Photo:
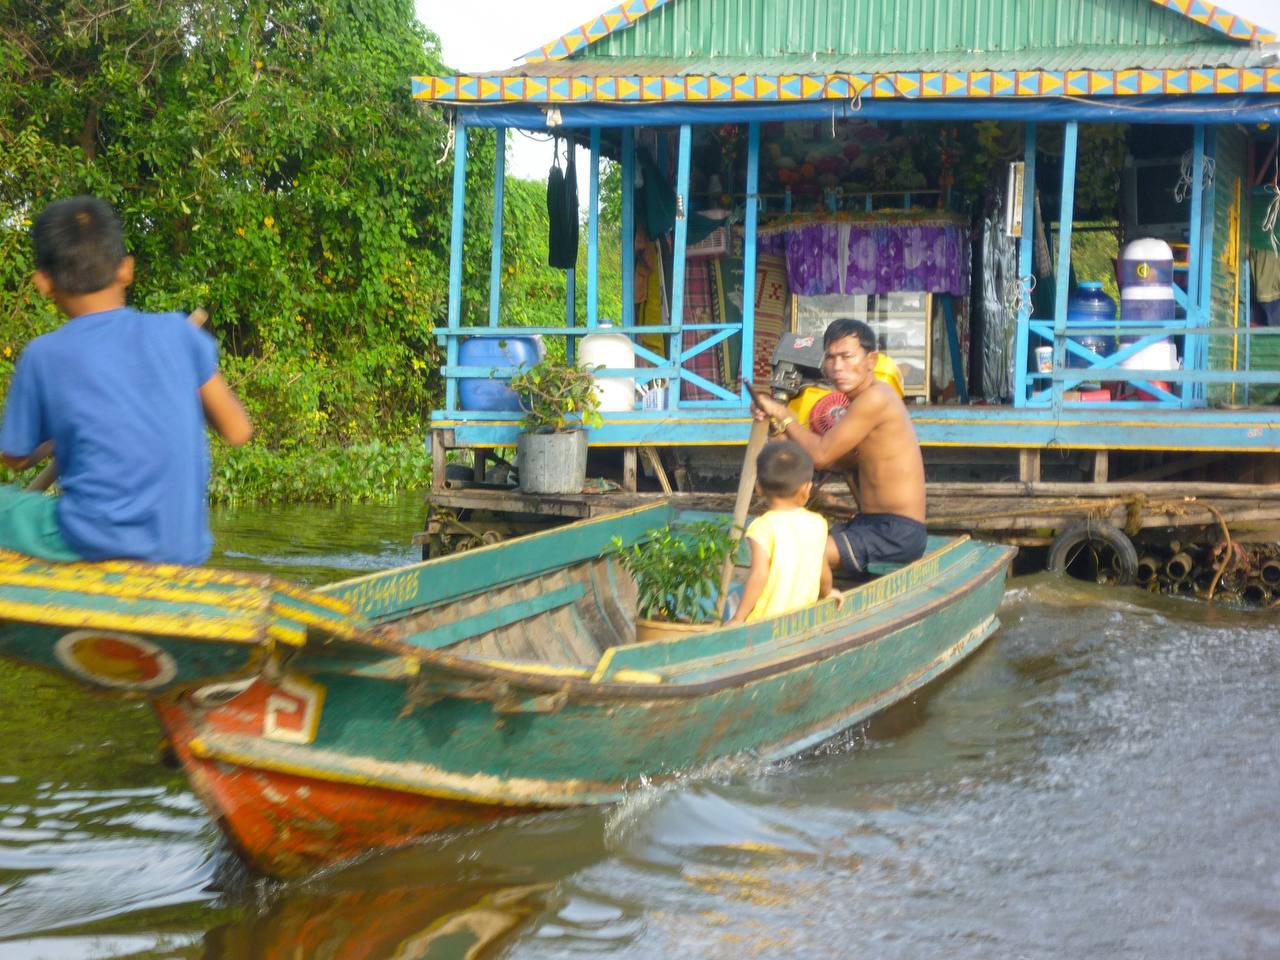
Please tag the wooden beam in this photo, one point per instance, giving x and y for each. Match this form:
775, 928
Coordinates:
1029, 466
1100, 466
655, 463
629, 469
437, 461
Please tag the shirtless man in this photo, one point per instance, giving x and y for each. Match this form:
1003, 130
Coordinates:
874, 438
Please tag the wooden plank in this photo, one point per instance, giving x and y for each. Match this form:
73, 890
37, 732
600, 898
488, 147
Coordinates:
437, 461
1029, 466
655, 463
629, 469
1100, 465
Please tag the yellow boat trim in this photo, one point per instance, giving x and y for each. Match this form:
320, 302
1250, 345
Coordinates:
290, 635
127, 591
336, 626
167, 573
231, 630
536, 669
564, 670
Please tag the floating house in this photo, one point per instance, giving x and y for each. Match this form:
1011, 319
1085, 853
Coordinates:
969, 177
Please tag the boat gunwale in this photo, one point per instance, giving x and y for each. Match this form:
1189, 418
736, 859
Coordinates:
579, 689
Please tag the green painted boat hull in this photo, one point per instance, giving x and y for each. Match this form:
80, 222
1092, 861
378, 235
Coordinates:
437, 695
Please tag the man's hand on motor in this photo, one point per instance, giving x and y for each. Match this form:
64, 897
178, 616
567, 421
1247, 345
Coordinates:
764, 406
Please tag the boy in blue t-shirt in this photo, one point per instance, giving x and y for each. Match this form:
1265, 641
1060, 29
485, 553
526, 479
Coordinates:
121, 399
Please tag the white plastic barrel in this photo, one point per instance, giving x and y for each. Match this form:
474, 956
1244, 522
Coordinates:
613, 350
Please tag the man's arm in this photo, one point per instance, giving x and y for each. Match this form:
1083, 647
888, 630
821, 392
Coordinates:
828, 449
224, 411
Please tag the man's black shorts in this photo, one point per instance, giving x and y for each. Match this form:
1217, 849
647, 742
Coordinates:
878, 538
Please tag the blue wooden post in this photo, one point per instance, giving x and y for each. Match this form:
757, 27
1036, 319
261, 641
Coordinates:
570, 317
495, 238
628, 226
677, 264
455, 262
1063, 279
593, 232
1021, 349
1195, 254
1200, 354
749, 255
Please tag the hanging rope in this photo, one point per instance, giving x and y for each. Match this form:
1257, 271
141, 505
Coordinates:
1018, 293
449, 137
1184, 180
1273, 205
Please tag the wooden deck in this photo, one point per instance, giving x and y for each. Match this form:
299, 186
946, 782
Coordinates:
1021, 513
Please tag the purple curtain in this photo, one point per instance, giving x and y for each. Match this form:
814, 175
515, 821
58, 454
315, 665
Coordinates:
882, 258
813, 259
891, 258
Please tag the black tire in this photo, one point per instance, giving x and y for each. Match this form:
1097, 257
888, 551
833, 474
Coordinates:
1092, 550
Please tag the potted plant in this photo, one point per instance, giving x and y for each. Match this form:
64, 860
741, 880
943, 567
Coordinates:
559, 402
677, 573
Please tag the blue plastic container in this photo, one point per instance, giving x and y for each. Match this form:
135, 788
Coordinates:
492, 393
1091, 307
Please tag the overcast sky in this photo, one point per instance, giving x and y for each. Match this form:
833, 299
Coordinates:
493, 34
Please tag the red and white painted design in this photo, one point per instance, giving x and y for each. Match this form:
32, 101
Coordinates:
118, 660
287, 711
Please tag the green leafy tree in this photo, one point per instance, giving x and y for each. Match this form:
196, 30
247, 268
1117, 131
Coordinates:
268, 164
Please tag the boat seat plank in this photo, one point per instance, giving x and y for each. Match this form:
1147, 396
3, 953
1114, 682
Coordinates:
494, 619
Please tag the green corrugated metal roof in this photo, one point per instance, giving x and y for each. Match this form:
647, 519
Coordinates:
783, 28
1185, 56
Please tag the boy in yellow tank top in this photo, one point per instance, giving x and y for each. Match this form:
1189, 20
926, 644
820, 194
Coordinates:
788, 543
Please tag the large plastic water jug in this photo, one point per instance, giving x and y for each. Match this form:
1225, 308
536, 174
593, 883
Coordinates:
613, 350
492, 393
1090, 306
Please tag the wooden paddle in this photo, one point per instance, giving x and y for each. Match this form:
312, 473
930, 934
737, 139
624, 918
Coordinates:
746, 486
44, 479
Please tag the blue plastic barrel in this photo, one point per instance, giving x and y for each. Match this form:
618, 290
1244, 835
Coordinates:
492, 393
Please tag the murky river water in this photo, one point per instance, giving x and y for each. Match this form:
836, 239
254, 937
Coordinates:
1101, 780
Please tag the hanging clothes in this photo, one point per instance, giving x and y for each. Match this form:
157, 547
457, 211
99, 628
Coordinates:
562, 212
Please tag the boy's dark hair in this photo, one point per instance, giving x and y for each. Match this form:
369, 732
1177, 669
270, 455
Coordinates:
78, 243
844, 327
782, 468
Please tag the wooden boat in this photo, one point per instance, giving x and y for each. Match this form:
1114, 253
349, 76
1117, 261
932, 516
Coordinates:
319, 724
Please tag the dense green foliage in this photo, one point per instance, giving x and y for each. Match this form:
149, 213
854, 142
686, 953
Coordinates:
269, 165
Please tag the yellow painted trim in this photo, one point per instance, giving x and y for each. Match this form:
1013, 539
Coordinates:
232, 631
602, 667
536, 669
290, 635
637, 676
126, 591
1178, 448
